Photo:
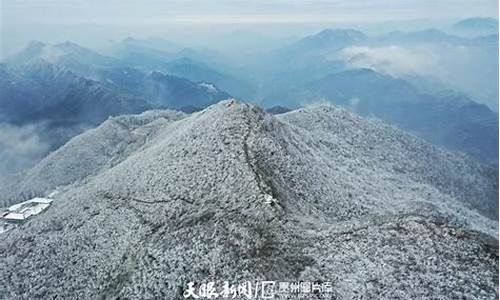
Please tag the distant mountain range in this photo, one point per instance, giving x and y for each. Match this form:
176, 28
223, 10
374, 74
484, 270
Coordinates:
431, 35
370, 166
448, 119
328, 41
324, 42
70, 88
132, 77
76, 58
476, 26
40, 90
186, 63
152, 73
148, 43
162, 90
63, 103
200, 72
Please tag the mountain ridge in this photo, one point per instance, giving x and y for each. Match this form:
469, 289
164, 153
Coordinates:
447, 119
331, 124
274, 201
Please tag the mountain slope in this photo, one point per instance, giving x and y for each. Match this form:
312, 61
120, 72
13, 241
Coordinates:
50, 103
130, 73
41, 90
386, 148
112, 142
186, 63
145, 54
44, 105
164, 90
323, 42
447, 119
199, 72
70, 55
232, 193
427, 36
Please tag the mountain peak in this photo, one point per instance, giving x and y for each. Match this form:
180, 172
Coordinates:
69, 46
32, 50
324, 41
340, 35
237, 182
478, 23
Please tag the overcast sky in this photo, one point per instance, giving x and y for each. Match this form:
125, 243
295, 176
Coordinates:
22, 20
235, 11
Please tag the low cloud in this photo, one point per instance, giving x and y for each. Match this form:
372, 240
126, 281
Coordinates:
392, 60
20, 148
471, 69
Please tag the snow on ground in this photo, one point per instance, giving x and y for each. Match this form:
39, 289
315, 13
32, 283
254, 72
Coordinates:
232, 193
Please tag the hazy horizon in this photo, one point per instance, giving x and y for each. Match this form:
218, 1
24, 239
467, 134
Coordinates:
200, 23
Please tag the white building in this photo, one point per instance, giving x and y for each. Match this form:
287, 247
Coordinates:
24, 210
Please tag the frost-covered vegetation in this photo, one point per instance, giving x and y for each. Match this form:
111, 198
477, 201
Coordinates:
148, 203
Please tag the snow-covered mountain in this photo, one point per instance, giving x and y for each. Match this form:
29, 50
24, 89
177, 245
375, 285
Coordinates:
233, 193
81, 60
